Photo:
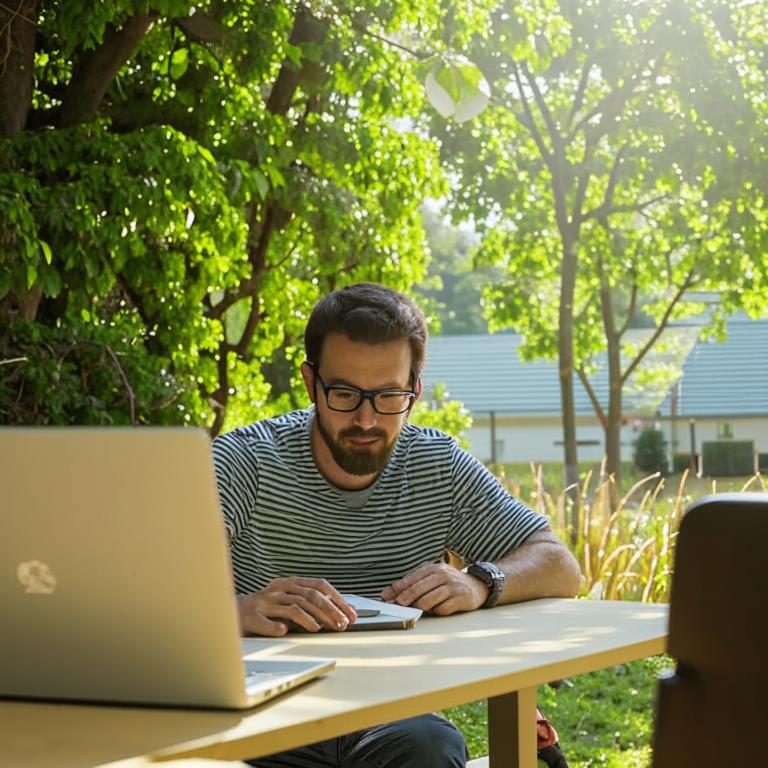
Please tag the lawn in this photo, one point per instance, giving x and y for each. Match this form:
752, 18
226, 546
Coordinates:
604, 718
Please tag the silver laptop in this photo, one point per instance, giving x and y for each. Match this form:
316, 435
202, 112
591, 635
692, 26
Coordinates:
115, 582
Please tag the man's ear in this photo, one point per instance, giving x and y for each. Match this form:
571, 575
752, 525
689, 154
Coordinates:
308, 374
418, 387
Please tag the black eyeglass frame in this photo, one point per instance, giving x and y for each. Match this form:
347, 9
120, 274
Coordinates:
362, 394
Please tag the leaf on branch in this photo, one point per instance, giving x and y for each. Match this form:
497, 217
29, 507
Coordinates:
457, 88
179, 62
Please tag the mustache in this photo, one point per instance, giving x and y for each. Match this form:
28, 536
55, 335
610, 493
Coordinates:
363, 433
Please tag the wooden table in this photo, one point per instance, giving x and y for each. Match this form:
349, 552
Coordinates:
502, 654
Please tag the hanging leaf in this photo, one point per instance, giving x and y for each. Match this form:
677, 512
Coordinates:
179, 62
457, 88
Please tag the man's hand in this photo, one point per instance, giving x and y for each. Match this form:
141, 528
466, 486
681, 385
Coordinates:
312, 604
439, 588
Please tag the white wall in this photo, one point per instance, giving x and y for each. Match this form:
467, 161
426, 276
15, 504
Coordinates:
526, 439
754, 428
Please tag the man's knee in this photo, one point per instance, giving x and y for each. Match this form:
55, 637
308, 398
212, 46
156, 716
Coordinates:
436, 742
428, 741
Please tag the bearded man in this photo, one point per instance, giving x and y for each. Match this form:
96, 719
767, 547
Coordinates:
347, 497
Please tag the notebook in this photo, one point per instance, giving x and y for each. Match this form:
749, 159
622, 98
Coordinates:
115, 582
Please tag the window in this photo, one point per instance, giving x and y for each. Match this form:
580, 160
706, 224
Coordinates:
724, 431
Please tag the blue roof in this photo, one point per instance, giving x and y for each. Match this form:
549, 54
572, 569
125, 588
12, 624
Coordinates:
728, 378
485, 372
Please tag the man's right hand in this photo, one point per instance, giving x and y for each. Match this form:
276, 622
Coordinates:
312, 604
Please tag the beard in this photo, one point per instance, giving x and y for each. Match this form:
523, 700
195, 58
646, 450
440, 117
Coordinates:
361, 460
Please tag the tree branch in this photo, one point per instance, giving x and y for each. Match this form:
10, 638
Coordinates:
599, 412
578, 99
96, 70
601, 211
530, 122
544, 110
686, 284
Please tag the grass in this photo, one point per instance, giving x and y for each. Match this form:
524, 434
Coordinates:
604, 718
625, 552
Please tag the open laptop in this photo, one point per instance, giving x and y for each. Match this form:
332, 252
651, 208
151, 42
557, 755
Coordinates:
115, 582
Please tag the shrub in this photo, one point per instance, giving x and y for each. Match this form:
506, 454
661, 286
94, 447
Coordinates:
651, 451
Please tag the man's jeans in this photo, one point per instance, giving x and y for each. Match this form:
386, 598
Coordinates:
429, 741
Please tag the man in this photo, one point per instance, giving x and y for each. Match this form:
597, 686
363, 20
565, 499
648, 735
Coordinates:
346, 496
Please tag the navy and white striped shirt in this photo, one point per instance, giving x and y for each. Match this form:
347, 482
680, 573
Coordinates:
285, 519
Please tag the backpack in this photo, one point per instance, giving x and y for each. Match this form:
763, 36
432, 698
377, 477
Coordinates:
547, 745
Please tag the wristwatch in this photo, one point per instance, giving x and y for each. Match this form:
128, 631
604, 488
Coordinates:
493, 578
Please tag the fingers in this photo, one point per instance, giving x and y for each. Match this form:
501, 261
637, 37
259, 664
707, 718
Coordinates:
310, 604
435, 587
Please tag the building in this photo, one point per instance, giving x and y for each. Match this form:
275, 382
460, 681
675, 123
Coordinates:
722, 395
515, 405
710, 391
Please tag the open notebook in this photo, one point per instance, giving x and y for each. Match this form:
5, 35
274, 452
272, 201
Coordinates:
115, 582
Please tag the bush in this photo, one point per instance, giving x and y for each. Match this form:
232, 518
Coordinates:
651, 451
435, 409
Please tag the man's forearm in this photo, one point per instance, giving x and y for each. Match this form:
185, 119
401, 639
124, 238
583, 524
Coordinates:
541, 567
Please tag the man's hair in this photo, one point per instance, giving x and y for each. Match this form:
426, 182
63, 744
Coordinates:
368, 313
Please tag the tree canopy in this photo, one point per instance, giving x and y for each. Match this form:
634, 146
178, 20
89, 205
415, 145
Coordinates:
180, 182
622, 164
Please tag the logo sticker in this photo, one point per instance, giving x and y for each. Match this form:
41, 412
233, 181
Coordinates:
36, 577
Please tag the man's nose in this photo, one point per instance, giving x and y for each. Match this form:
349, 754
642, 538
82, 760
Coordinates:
365, 415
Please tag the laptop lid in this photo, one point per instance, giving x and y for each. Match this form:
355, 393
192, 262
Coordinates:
115, 580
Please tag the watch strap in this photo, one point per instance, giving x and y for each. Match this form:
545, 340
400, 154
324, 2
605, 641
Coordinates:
492, 576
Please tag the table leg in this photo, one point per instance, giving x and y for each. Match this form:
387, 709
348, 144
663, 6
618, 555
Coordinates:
512, 730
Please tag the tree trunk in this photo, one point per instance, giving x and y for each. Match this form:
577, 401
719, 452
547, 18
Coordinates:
566, 370
17, 56
612, 424
613, 438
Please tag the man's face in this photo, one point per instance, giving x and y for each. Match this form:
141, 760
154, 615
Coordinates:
360, 441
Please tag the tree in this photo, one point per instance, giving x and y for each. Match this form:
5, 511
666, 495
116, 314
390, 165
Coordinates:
624, 162
180, 182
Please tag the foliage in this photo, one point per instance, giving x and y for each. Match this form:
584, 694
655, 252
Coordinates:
651, 451
180, 182
434, 409
453, 288
87, 374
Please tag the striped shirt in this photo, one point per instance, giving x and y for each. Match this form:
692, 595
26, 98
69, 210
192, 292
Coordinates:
285, 519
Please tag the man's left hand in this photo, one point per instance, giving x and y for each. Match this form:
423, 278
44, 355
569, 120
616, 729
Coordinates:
438, 588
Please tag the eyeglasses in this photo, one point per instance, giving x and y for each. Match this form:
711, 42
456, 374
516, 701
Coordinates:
341, 397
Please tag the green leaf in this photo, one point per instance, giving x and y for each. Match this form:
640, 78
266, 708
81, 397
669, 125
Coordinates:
293, 52
262, 185
205, 152
457, 88
51, 281
46, 249
5, 283
31, 275
275, 176
179, 63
